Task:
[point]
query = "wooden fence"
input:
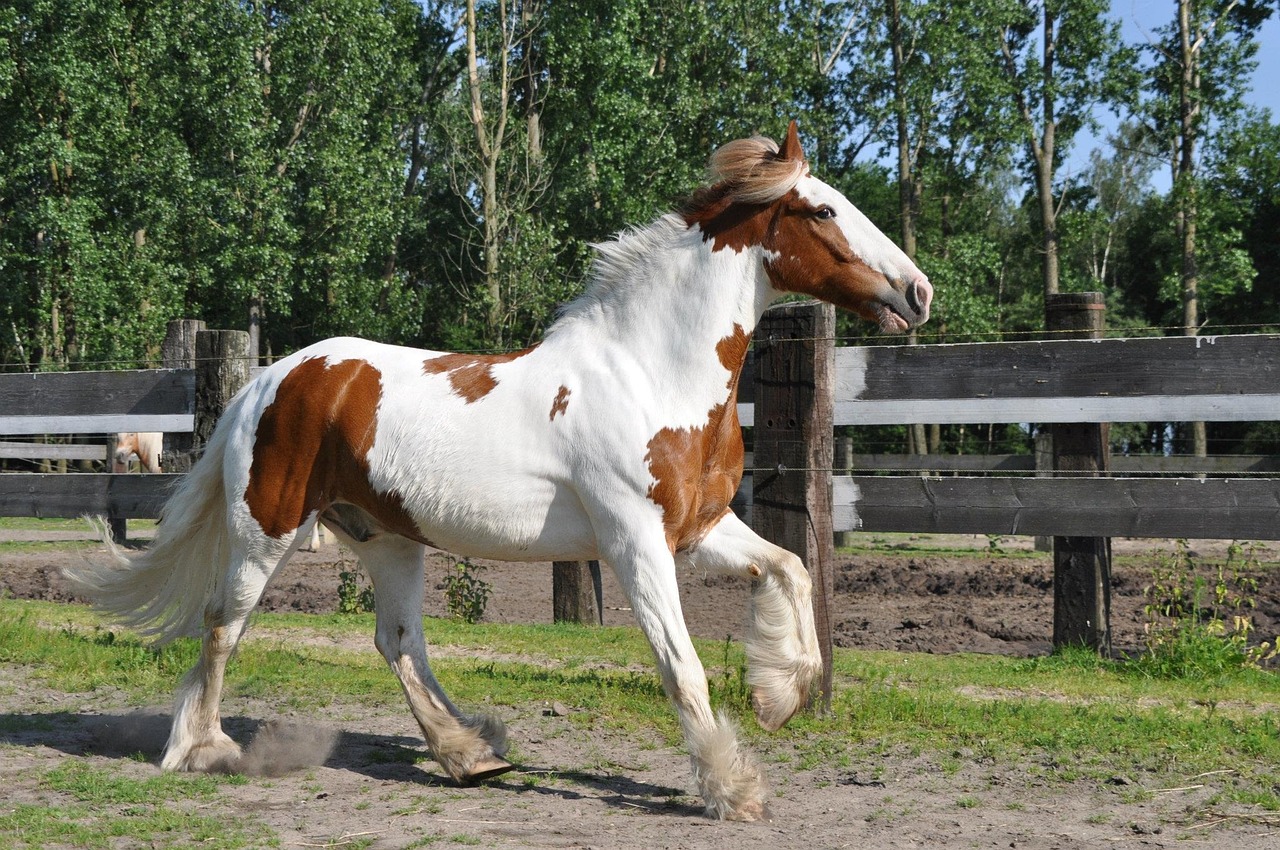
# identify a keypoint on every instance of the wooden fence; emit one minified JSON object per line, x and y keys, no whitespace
{"x":798,"y":387}
{"x":1158,"y":379}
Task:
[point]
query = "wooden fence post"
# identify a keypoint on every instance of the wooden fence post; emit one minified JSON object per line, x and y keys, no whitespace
{"x":1081,"y":565}
{"x":117,"y":526}
{"x":576,"y":592}
{"x":178,"y":351}
{"x":793,"y":436}
{"x":222,"y":368}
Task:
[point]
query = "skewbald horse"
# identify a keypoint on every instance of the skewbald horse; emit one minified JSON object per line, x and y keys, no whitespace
{"x":616,"y":437}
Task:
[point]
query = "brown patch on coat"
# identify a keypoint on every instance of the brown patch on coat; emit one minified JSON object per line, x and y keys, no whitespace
{"x":814,"y":258}
{"x":311,"y":449}
{"x":561,"y":403}
{"x":470,"y":375}
{"x":697,"y":471}
{"x":726,"y":222}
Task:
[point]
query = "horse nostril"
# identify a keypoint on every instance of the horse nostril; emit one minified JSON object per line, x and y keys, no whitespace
{"x":919,"y":294}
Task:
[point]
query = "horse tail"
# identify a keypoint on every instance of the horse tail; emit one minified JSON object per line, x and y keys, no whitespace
{"x":164,"y":591}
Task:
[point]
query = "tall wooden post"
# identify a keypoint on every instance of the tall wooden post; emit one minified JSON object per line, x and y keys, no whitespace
{"x":1081,"y":565}
{"x":793,"y":435}
{"x":178,"y":351}
{"x":576,"y":592}
{"x":222,"y":368}
{"x":118,"y":526}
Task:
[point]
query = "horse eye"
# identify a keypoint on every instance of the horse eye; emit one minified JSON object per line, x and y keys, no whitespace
{"x":824,"y":212}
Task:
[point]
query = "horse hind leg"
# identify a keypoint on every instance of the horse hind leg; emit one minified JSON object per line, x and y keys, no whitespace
{"x":469,"y":748}
{"x":196,"y":740}
{"x":783,"y":657}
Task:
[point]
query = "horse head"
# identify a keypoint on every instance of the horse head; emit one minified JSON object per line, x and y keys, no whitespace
{"x":814,"y":241}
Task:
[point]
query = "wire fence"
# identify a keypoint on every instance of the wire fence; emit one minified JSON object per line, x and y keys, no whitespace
{"x":922,"y":338}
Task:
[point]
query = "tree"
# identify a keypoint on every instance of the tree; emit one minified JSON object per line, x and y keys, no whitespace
{"x":1200,"y":60}
{"x":1060,"y":60}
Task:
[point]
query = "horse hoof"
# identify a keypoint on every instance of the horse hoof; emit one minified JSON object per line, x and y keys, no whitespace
{"x":751,"y":813}
{"x":487,"y":769}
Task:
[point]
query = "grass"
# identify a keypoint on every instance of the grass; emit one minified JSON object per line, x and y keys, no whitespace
{"x":77,"y":525}
{"x":99,"y":808}
{"x":1063,"y":718}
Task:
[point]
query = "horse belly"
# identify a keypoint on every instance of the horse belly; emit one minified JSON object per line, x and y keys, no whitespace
{"x":494,"y":497}
{"x":513,"y":529}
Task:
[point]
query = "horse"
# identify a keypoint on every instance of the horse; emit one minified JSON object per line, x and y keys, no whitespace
{"x":616,"y":437}
{"x":145,"y":444}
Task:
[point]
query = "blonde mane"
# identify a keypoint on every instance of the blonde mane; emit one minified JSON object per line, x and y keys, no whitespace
{"x":752,"y":172}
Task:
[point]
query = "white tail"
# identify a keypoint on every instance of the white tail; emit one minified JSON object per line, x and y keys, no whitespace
{"x":163,"y":592}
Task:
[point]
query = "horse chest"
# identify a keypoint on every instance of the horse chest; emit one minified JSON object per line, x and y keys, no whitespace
{"x":696,"y":472}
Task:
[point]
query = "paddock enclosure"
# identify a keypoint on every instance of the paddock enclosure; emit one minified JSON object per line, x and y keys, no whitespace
{"x":796,"y":388}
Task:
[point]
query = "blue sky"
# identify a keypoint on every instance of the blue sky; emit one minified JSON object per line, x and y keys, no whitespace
{"x":1138,"y":20}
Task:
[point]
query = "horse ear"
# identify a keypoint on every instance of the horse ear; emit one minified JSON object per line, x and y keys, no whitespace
{"x":791,"y":149}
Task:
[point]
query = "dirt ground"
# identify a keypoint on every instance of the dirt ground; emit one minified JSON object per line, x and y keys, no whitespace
{"x":605,"y":790}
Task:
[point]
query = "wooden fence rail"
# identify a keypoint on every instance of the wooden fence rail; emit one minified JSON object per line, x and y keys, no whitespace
{"x":1159,"y":379}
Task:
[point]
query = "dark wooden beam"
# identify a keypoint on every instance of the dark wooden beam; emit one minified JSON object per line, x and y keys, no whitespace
{"x":791,"y":501}
{"x":79,"y":494}
{"x":1222,"y":508}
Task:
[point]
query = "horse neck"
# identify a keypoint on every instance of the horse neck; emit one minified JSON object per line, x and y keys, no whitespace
{"x":674,"y":300}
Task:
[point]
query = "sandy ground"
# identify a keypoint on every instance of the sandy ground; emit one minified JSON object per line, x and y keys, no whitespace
{"x":589,"y":787}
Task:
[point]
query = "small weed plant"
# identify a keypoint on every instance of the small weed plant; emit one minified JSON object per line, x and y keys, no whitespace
{"x":731,"y":688}
{"x":465,"y":593}
{"x":353,"y":597}
{"x":1198,"y":620}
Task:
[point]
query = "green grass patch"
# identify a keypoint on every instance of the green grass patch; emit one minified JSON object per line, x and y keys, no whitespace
{"x":1065,"y":717}
{"x":98,"y":807}
{"x":87,"y":538}
{"x":24,"y":523}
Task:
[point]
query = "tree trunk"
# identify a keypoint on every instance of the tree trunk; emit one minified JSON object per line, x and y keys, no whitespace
{"x":1044,"y":163}
{"x":908,"y":186}
{"x":1185,"y":187}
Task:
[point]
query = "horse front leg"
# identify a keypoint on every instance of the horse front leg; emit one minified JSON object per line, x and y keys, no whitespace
{"x":783,"y":656}
{"x":727,"y":775}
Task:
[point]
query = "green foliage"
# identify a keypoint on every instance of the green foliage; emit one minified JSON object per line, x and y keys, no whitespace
{"x":729,"y":687}
{"x":465,"y":593}
{"x":352,"y":598}
{"x":1198,"y":622}
{"x":317,"y":161}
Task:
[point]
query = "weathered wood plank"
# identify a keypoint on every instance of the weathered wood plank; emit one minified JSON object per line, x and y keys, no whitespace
{"x":1221,"y":379}
{"x":78,"y":494}
{"x":29,"y":425}
{"x":1144,"y":366}
{"x":963,"y":411}
{"x":52,"y":451}
{"x":1226,"y":508}
{"x":1131,"y":464}
{"x":97,"y":402}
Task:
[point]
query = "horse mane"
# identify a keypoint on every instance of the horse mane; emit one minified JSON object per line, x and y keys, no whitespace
{"x":750,"y":171}
{"x":743,"y":171}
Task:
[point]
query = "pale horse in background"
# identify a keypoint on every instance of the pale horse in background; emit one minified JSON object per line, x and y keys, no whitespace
{"x":144,"y":445}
